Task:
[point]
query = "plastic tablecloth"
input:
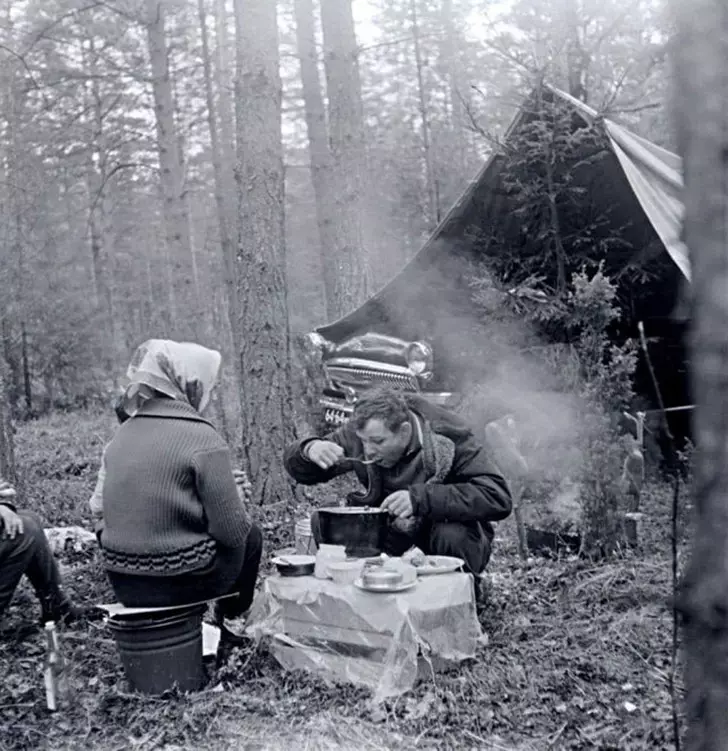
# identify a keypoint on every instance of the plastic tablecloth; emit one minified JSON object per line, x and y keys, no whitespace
{"x":370,"y":639}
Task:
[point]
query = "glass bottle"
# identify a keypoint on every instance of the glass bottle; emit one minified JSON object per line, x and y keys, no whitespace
{"x":55,"y":675}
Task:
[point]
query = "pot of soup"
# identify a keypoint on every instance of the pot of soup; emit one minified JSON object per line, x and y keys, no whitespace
{"x":362,"y":530}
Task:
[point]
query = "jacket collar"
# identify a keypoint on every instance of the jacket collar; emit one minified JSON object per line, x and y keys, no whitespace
{"x":415,"y":442}
{"x":171,"y":409}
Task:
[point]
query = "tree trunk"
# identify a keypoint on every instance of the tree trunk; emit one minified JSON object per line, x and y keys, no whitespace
{"x":320,"y":154}
{"x":346,"y":134}
{"x":701,"y":57}
{"x":7,"y":448}
{"x":27,"y":387}
{"x":224,"y":94}
{"x":225,"y":216}
{"x":577,"y":59}
{"x":15,"y":286}
{"x":99,"y":212}
{"x":458,"y":117}
{"x":433,"y":208}
{"x":179,"y":248}
{"x":261,"y":280}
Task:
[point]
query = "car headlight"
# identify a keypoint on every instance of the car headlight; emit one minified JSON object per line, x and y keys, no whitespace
{"x":419,"y":359}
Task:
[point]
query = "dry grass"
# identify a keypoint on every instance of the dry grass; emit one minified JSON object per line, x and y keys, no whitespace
{"x":578,"y":658}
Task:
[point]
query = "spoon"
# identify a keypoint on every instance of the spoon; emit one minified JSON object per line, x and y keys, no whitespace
{"x":361,"y":461}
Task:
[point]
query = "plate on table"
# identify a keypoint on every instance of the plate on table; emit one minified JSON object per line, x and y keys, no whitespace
{"x":381,"y":589}
{"x":439,"y":564}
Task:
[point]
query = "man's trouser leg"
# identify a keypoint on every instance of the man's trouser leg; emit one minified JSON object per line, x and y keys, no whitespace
{"x":29,"y":553}
{"x":466,"y":541}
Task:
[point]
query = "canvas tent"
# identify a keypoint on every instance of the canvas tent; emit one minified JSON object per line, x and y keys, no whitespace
{"x":640,"y":181}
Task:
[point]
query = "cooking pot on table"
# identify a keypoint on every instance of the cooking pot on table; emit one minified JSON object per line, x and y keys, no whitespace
{"x":361,"y":529}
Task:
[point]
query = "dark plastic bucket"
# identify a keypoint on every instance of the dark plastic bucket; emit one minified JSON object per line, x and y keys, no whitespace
{"x":163,"y":651}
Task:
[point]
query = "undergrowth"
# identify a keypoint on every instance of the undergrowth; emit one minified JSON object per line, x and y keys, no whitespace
{"x":578,"y":654}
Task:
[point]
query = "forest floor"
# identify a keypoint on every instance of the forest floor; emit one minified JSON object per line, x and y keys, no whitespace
{"x":578,"y":654}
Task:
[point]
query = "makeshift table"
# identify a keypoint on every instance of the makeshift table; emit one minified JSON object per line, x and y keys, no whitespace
{"x":368,"y":638}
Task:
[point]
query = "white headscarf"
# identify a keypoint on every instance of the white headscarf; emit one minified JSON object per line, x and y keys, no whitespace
{"x":180,"y":370}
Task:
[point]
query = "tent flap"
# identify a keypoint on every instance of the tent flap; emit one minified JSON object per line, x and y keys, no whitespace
{"x":653,"y":173}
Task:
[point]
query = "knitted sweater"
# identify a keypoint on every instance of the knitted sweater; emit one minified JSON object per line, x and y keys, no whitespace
{"x":169,"y":495}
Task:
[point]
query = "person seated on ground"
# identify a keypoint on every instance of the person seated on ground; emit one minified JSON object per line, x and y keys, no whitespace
{"x":429,"y":472}
{"x":174,"y":529}
{"x":24,"y":549}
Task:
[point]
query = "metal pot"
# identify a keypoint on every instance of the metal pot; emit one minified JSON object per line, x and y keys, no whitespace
{"x":362,"y":530}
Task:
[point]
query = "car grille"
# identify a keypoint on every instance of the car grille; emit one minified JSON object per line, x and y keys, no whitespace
{"x":362,"y":377}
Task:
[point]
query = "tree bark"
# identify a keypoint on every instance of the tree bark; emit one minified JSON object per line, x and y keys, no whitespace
{"x":458,"y":118}
{"x":261,"y":281}
{"x":225,"y":215}
{"x":224,"y":93}
{"x":7,"y":448}
{"x":318,"y":146}
{"x":179,"y":248}
{"x":99,"y":210}
{"x":346,"y":135}
{"x":701,"y":68}
{"x":433,"y":208}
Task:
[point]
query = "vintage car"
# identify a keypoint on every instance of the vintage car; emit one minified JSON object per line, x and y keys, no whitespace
{"x":368,"y":360}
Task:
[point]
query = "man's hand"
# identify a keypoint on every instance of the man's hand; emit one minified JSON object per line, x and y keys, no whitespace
{"x":12,"y":524}
{"x":325,"y":454}
{"x":6,"y":489}
{"x":407,"y":526}
{"x":399,"y":504}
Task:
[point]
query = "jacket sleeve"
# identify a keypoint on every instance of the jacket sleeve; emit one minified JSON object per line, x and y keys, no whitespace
{"x":97,"y":498}
{"x":228,"y":521}
{"x":306,"y":472}
{"x":473,"y":491}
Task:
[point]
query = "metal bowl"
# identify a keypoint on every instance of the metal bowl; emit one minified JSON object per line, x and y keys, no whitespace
{"x":295,"y":565}
{"x":381,"y":578}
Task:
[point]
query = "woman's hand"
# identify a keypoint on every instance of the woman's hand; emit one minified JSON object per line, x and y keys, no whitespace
{"x":245,"y":489}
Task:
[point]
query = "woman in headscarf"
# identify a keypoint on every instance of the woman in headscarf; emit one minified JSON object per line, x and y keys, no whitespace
{"x":175,"y":530}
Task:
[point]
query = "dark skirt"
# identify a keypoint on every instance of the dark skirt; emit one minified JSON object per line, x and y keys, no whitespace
{"x":233,"y":570}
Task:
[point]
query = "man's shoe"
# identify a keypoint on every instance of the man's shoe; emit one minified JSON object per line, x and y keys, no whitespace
{"x":66,"y":612}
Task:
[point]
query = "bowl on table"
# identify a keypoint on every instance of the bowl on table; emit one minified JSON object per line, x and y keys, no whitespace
{"x":345,"y":572}
{"x":381,"y":578}
{"x":295,"y":565}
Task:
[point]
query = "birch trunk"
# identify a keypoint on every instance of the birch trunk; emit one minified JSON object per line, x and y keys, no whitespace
{"x":261,"y":281}
{"x":701,"y":57}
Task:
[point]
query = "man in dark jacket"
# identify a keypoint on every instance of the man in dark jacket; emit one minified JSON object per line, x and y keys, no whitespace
{"x":24,"y":549}
{"x":429,"y":472}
